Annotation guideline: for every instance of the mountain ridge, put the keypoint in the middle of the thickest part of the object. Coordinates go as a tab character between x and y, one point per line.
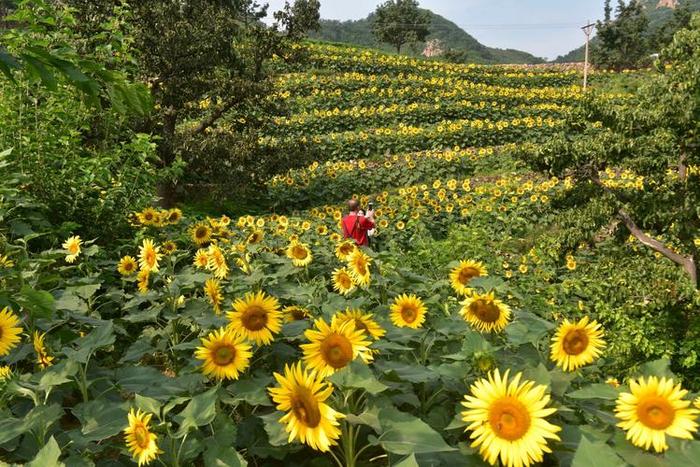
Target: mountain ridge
463	45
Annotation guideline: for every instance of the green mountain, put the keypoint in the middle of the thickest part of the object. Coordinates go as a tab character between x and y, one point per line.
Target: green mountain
463	46
658	16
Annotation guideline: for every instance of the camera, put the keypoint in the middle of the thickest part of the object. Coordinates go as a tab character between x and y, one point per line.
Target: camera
370	206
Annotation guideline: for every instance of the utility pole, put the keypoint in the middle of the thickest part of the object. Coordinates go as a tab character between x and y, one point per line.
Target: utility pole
587	30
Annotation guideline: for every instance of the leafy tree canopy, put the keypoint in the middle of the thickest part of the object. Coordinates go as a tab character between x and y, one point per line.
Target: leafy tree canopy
399	22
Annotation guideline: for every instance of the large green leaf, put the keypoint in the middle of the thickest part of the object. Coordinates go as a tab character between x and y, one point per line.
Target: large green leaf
48	455
100	419
39	303
405	434
251	390
527	328
201	410
358	375
274	429
596	454
101	336
40	416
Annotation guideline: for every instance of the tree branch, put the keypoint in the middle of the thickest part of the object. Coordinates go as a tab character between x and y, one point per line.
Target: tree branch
687	262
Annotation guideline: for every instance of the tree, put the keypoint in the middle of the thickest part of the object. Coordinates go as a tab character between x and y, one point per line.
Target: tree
622	42
300	18
207	64
398	22
656	138
680	20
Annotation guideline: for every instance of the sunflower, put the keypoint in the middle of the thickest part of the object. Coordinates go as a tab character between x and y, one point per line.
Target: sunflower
507	420
577	344
42	356
407	311
696	403
149	256
216	261
465	272
255	237
359	262
485	312
201	259
256	317
174	216
142	278
6	262
213	291
295	313
302	394
224	355
362	321
344	249
10	331
169	247
148	216
139	439
655	408
299	253
5	373
72	245
333	347
127	266
201	234
342	281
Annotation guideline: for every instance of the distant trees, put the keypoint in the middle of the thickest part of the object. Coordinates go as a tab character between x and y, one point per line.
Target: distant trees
399	22
629	39
300	17
621	41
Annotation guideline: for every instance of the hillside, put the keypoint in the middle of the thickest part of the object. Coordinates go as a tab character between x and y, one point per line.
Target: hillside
658	16
466	47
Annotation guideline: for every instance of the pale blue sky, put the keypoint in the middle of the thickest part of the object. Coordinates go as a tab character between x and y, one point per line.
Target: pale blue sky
545	28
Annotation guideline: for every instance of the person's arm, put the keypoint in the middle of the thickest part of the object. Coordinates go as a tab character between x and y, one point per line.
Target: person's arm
368	220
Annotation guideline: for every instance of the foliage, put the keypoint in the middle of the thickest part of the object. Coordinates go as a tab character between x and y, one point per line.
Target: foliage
400	22
621	42
93	165
299	18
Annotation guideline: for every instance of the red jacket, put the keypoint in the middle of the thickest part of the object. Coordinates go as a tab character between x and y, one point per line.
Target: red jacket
356	226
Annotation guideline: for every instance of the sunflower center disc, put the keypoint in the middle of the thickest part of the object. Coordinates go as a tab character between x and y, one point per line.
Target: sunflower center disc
466	274
655	412
141	436
254	318
224	355
298	313
305	407
509	418
408	313
201	232
485	311
336	350
299	252
575	342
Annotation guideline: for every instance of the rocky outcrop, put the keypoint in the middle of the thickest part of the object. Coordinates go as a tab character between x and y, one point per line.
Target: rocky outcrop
667	4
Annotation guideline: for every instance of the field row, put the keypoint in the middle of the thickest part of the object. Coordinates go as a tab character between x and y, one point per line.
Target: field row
343	59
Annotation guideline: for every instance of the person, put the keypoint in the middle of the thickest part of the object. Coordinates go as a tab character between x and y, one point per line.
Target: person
356	225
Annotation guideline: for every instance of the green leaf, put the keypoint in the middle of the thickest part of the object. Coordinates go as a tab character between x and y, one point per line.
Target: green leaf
101	336
687	454
358	375
408	372
147	404
200	411
39	303
595	454
274	429
250	390
595	391
40	416
409	461
48	455
660	368
405	434
101	419
62	372
527	328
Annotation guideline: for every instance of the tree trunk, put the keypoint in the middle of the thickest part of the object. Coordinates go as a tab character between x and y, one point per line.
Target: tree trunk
398	49
166	152
687	262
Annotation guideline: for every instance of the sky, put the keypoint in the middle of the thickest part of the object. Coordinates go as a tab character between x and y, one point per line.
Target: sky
545	28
